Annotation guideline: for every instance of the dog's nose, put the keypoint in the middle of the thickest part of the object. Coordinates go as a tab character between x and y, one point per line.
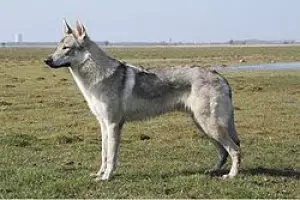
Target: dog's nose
48	60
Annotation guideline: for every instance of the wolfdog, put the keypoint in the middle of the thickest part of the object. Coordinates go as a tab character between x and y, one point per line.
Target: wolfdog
117	92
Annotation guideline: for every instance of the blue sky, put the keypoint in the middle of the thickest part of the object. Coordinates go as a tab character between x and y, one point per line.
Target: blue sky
153	20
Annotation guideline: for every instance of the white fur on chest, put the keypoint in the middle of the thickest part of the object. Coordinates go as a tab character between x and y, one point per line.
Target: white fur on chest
91	100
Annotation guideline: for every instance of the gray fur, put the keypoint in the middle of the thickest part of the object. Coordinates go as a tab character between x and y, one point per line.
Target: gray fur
117	92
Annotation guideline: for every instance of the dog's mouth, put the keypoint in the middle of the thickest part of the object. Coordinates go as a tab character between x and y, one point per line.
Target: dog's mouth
59	66
51	64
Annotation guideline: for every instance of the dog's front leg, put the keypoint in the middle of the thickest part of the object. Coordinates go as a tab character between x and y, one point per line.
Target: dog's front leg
104	140
104	136
114	135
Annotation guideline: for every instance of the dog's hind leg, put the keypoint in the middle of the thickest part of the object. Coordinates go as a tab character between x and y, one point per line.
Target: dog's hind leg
215	117
219	130
223	155
222	136
223	141
232	131
200	129
220	125
222	152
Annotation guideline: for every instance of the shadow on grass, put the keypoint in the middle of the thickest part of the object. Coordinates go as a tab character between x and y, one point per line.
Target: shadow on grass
292	173
288	173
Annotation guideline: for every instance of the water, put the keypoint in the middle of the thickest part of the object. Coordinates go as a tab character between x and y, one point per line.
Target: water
265	67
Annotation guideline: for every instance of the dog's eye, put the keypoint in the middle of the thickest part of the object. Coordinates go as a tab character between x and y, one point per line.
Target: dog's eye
65	47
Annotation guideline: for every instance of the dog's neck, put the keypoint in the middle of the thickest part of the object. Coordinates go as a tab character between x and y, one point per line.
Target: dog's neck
96	67
100	57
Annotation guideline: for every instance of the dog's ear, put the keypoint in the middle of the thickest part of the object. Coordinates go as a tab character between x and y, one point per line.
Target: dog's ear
80	31
67	30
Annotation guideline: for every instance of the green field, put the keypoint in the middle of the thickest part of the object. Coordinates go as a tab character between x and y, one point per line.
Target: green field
50	142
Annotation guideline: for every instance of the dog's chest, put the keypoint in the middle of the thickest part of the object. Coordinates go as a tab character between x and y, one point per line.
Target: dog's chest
92	102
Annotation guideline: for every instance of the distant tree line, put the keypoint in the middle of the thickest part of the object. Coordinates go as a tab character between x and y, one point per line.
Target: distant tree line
288	42
237	42
260	42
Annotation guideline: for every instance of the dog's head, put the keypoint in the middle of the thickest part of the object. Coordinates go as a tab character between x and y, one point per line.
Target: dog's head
71	50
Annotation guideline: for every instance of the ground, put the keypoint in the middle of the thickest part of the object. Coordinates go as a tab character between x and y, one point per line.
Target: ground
50	142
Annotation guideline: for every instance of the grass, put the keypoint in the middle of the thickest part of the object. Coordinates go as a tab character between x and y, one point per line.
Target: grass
49	140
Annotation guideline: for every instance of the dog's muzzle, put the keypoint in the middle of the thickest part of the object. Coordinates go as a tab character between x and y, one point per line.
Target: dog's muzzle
50	62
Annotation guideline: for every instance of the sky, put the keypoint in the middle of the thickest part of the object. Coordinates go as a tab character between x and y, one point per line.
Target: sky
152	20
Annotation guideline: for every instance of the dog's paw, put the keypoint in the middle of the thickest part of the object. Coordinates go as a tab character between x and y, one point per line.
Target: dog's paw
98	178
106	177
94	175
227	176
208	172
212	172
103	177
99	173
